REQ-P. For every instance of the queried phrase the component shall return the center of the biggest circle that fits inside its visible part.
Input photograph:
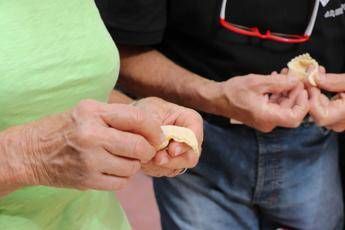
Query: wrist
(214, 99)
(14, 165)
(24, 149)
(43, 138)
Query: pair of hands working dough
(283, 100)
(100, 146)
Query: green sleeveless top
(54, 53)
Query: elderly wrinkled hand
(177, 156)
(94, 146)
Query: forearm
(150, 73)
(118, 97)
(12, 172)
(21, 148)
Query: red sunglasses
(279, 37)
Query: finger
(315, 102)
(116, 166)
(187, 160)
(336, 110)
(324, 100)
(127, 145)
(177, 148)
(301, 107)
(289, 117)
(299, 110)
(274, 98)
(326, 112)
(284, 71)
(287, 102)
(131, 119)
(106, 182)
(331, 82)
(314, 94)
(317, 110)
(338, 127)
(292, 96)
(189, 118)
(276, 84)
(161, 158)
(322, 69)
(156, 171)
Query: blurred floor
(139, 203)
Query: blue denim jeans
(250, 180)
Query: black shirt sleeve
(134, 22)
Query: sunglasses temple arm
(311, 24)
(222, 12)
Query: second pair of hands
(282, 100)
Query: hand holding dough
(300, 67)
(179, 134)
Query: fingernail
(178, 151)
(163, 160)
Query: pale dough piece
(179, 134)
(299, 67)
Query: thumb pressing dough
(179, 134)
(299, 68)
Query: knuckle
(86, 133)
(155, 99)
(293, 122)
(192, 159)
(87, 105)
(196, 116)
(171, 174)
(266, 129)
(140, 149)
(338, 129)
(258, 116)
(138, 116)
(321, 120)
(134, 168)
(252, 80)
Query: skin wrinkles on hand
(94, 146)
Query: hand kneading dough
(299, 68)
(179, 134)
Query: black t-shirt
(189, 33)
